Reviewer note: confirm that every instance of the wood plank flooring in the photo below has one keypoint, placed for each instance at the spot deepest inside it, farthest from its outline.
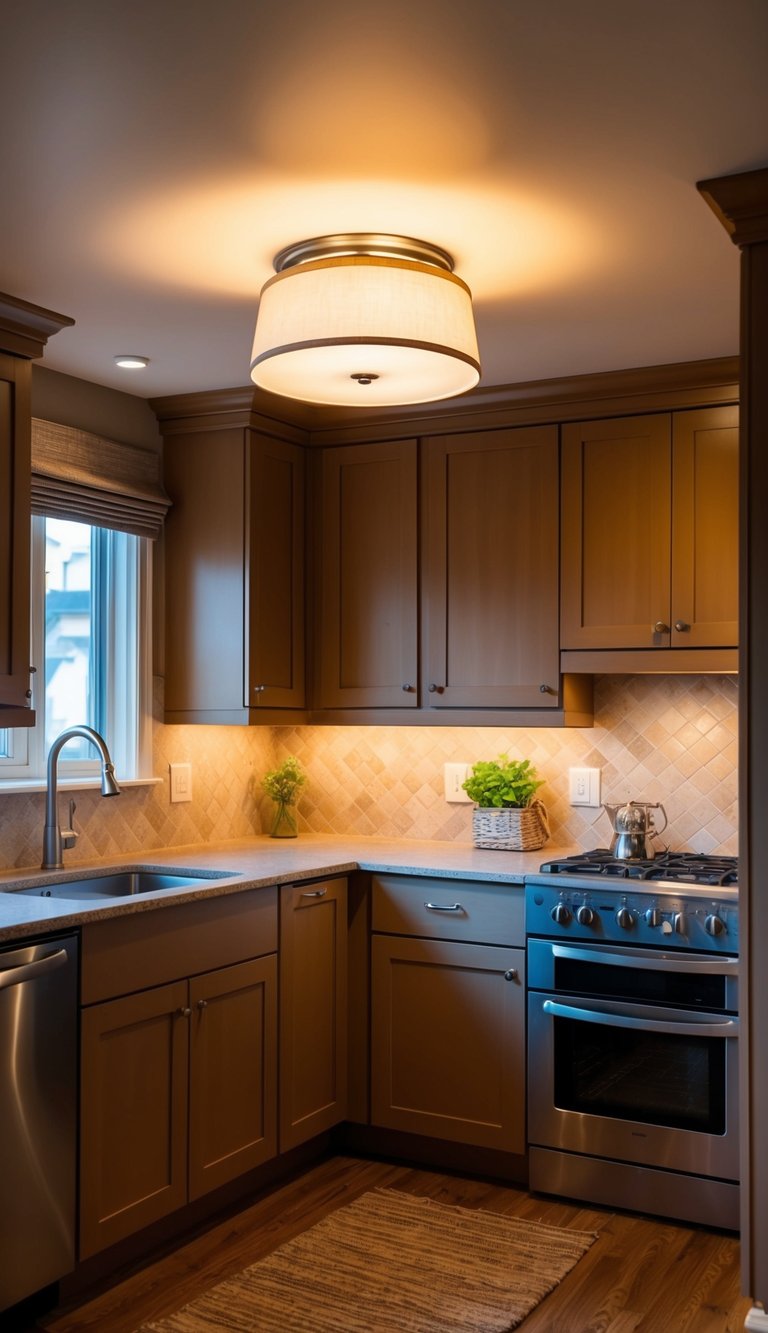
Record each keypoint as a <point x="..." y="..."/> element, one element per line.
<point x="640" y="1276"/>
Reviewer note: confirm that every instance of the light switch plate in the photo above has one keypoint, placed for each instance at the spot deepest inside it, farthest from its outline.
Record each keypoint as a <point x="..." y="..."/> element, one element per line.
<point x="181" y="782"/>
<point x="584" y="786"/>
<point x="453" y="776"/>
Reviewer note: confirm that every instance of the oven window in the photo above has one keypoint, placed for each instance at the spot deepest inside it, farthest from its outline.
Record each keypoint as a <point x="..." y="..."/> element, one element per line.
<point x="688" y="990"/>
<point x="660" y="1079"/>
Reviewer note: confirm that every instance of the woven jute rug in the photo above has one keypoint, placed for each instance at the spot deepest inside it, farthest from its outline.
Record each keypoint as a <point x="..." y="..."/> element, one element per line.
<point x="392" y="1261"/>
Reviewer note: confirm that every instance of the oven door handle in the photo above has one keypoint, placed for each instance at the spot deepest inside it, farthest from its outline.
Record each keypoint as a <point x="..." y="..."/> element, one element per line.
<point x="729" y="1027"/>
<point x="649" y="962"/>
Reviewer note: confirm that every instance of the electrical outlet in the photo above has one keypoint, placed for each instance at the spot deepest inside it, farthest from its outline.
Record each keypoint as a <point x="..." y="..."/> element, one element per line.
<point x="181" y="782"/>
<point x="453" y="776"/>
<point x="584" y="786"/>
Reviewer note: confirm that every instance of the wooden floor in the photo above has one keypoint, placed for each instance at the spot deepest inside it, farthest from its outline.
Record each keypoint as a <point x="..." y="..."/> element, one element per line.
<point x="640" y="1274"/>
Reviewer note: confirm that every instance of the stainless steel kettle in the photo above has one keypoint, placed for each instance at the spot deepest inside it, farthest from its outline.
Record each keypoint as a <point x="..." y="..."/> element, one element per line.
<point x="633" y="828"/>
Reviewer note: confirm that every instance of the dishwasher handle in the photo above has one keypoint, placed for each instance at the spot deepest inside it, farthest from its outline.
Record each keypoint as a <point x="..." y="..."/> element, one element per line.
<point x="13" y="976"/>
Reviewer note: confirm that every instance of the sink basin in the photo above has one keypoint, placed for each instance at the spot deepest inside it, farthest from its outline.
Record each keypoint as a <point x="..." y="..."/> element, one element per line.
<point x="124" y="884"/>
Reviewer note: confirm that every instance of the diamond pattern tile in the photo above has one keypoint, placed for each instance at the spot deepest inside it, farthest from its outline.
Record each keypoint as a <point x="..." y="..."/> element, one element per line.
<point x="659" y="738"/>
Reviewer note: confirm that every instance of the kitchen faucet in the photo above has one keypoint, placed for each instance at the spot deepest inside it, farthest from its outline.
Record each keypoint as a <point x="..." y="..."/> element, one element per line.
<point x="56" y="839"/>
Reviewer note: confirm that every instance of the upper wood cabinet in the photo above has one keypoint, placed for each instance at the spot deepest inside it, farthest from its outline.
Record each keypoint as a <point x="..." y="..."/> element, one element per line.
<point x="234" y="577"/>
<point x="486" y="579"/>
<point x="650" y="532"/>
<point x="24" y="331"/>
<point x="367" y="600"/>
<point x="490" y="584"/>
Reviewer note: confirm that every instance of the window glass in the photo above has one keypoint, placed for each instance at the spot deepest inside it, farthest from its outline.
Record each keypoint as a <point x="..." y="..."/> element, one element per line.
<point x="68" y="632"/>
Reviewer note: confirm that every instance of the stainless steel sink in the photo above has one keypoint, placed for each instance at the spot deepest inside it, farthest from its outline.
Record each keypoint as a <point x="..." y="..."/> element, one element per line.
<point x="123" y="884"/>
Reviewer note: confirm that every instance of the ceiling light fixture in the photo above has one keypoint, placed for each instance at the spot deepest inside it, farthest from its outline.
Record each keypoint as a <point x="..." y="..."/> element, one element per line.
<point x="365" y="320"/>
<point x="127" y="361"/>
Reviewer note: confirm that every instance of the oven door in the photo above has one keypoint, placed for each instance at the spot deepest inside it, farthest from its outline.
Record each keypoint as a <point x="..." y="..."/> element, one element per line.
<point x="639" y="1083"/>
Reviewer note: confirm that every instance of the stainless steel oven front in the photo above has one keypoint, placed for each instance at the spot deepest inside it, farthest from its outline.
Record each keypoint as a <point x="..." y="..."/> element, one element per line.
<point x="633" y="1077"/>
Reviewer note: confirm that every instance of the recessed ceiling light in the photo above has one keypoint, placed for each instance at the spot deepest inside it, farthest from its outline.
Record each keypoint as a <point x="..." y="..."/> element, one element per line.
<point x="127" y="361"/>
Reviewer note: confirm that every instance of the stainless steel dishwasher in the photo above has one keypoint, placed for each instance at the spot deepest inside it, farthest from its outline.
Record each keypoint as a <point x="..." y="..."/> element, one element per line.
<point x="38" y="1100"/>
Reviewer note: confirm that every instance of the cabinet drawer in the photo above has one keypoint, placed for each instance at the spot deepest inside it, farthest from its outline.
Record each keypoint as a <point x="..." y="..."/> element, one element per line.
<point x="130" y="953"/>
<point x="449" y="909"/>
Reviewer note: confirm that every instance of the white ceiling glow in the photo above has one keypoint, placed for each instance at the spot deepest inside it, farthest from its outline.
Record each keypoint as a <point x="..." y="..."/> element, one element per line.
<point x="365" y="320"/>
<point x="129" y="361"/>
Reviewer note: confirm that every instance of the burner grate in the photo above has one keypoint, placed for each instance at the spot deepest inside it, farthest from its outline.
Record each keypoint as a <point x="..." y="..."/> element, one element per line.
<point x="677" y="867"/>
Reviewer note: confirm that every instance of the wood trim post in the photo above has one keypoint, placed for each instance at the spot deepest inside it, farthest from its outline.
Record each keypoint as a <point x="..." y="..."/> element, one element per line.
<point x="741" y="204"/>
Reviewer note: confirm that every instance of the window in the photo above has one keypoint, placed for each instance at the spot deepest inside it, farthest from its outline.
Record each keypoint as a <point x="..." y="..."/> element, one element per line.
<point x="90" y="590"/>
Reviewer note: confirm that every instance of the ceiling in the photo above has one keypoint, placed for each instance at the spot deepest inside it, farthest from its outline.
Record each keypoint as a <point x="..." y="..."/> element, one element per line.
<point x="155" y="157"/>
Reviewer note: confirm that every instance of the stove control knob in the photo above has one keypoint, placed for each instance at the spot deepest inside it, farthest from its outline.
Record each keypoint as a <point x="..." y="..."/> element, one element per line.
<point x="653" y="917"/>
<point x="714" y="924"/>
<point x="561" y="914"/>
<point x="680" y="923"/>
<point x="625" y="918"/>
<point x="585" y="915"/>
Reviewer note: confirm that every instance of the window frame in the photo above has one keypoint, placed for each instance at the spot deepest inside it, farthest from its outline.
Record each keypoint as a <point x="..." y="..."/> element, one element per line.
<point x="129" y="671"/>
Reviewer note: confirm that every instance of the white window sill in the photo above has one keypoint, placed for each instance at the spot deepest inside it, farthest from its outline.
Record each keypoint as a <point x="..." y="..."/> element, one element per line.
<point x="81" y="783"/>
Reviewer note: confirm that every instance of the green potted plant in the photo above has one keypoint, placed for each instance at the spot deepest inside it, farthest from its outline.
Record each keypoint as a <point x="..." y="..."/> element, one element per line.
<point x="507" y="814"/>
<point x="283" y="784"/>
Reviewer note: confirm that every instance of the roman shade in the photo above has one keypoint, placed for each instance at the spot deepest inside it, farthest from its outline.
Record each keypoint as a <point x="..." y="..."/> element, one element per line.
<point x="81" y="476"/>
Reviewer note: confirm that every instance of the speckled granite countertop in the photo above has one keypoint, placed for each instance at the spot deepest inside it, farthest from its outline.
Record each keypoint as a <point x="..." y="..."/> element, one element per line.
<point x="251" y="863"/>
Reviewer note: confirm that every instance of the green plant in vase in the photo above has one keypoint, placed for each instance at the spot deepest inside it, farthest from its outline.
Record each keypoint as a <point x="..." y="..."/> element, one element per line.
<point x="502" y="783"/>
<point x="283" y="784"/>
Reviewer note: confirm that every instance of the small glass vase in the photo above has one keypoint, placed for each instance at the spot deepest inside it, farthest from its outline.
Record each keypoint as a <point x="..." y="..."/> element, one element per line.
<point x="284" y="821"/>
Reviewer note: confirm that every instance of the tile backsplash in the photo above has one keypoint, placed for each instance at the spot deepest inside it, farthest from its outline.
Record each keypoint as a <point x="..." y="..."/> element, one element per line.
<point x="658" y="738"/>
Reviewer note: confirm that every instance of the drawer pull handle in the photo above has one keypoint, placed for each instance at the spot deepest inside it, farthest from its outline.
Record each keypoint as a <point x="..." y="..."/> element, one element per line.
<point x="511" y="975"/>
<point x="314" y="893"/>
<point x="444" y="907"/>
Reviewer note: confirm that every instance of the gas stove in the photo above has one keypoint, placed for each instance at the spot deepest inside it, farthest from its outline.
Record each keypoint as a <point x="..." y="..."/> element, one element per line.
<point x="671" y="867"/>
<point x="678" y="900"/>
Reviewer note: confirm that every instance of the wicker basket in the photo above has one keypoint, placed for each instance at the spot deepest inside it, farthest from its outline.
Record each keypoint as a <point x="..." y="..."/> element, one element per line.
<point x="511" y="830"/>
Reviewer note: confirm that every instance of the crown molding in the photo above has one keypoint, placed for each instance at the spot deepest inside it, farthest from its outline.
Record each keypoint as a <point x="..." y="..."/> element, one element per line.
<point x="25" y="328"/>
<point x="569" y="398"/>
<point x="740" y="202"/>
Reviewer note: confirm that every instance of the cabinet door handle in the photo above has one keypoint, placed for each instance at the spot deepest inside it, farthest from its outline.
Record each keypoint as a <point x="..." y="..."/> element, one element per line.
<point x="660" y="627"/>
<point x="408" y="689"/>
<point x="444" y="907"/>
<point x="314" y="893"/>
<point x="185" y="1012"/>
<point x="435" y="689"/>
<point x="259" y="689"/>
<point x="202" y="1004"/>
<point x="511" y="975"/>
<point x="681" y="626"/>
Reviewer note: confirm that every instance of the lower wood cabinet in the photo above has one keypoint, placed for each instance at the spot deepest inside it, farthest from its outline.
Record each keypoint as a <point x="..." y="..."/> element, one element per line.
<point x="313" y="1009"/>
<point x="448" y="1040"/>
<point x="179" y="1095"/>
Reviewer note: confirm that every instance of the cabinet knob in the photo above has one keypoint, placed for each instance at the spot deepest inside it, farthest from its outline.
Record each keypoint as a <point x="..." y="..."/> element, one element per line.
<point x="681" y="626"/>
<point x="407" y="689"/>
<point x="660" y="627"/>
<point x="546" y="689"/>
<point x="259" y="689"/>
<point x="511" y="975"/>
<point x="185" y="1012"/>
<point x="202" y="1004"/>
<point x="435" y="689"/>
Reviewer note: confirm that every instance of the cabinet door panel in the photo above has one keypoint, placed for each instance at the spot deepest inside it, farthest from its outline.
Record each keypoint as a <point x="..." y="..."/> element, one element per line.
<point x="313" y="1019"/>
<point x="134" y="1120"/>
<point x="233" y="1072"/>
<point x="491" y="569"/>
<point x="705" y="527"/>
<point x="368" y="632"/>
<point x="448" y="1041"/>
<point x="275" y="575"/>
<point x="14" y="542"/>
<point x="616" y="526"/>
